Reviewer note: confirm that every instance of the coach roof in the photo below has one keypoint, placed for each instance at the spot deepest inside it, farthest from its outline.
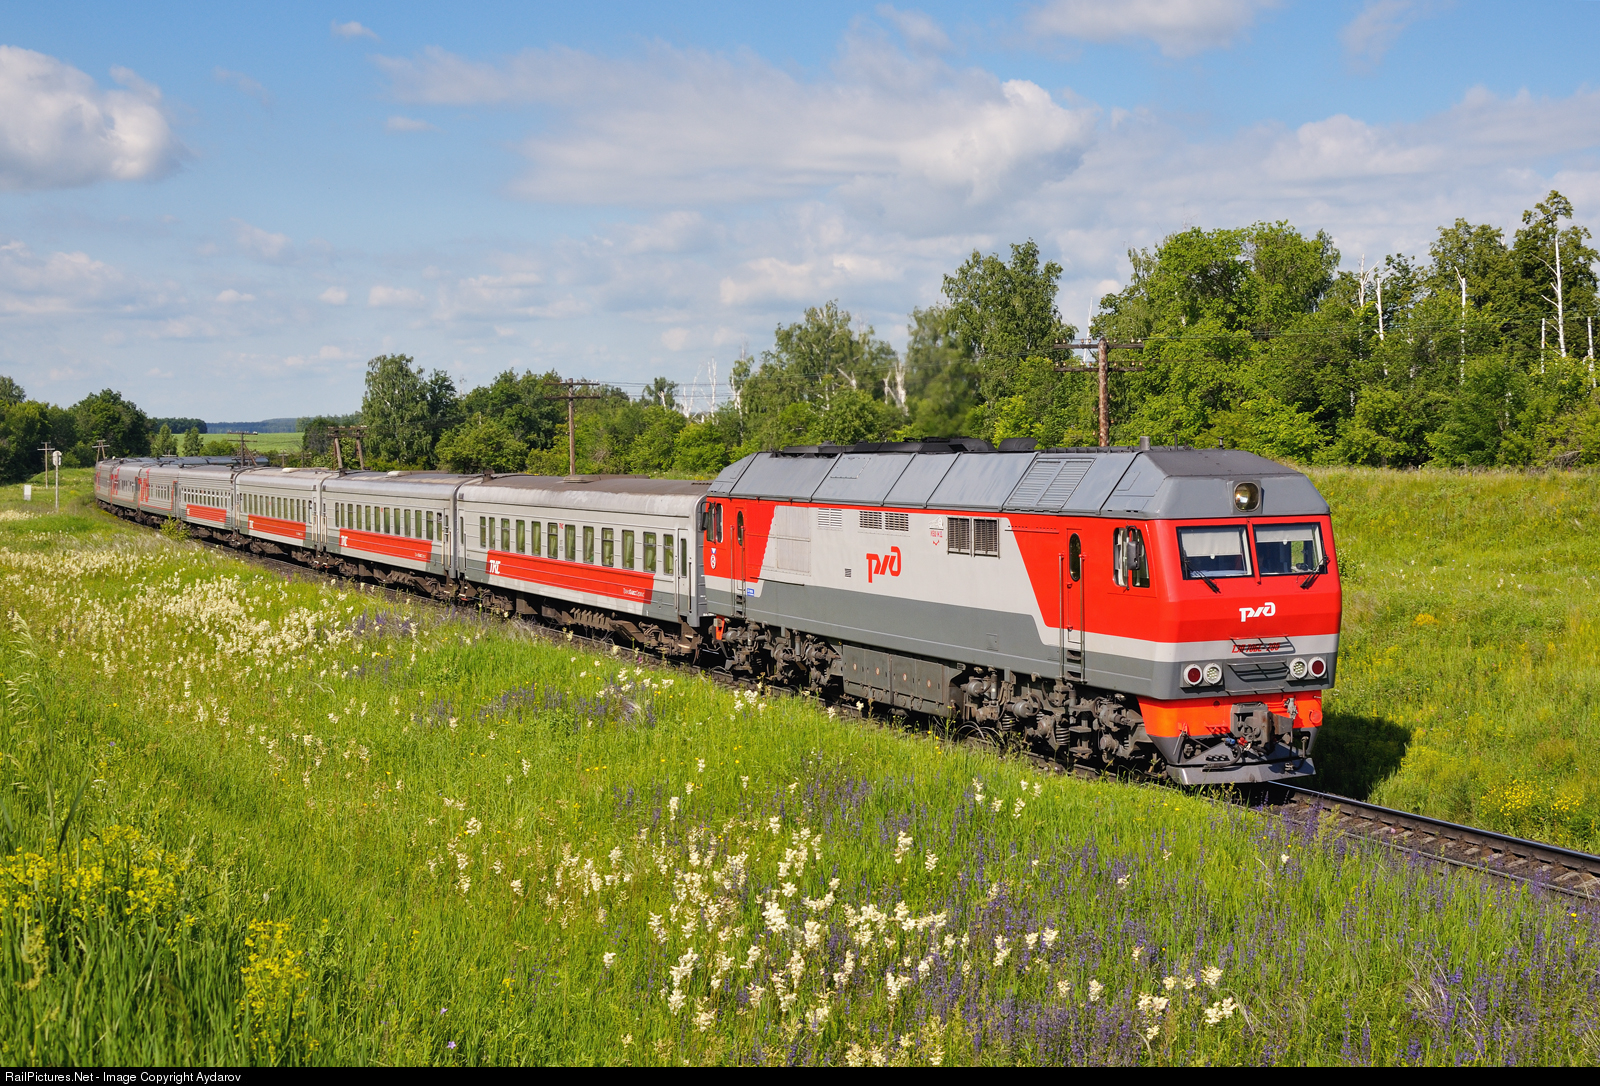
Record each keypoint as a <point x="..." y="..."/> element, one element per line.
<point x="1163" y="483"/>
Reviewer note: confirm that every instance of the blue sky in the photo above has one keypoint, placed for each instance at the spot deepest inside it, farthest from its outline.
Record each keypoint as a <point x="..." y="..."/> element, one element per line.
<point x="224" y="211"/>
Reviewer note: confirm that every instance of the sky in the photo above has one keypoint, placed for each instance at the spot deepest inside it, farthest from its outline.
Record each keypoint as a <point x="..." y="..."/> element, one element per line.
<point x="223" y="211"/>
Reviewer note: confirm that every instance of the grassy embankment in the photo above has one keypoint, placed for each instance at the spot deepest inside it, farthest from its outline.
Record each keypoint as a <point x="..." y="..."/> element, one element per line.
<point x="252" y="820"/>
<point x="1469" y="670"/>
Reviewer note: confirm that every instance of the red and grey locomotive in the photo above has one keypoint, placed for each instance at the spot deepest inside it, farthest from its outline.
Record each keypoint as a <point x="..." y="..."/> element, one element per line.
<point x="1176" y="608"/>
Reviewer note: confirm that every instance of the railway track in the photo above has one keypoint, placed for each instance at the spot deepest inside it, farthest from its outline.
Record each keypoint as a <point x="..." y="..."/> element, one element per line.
<point x="1495" y="855"/>
<point x="1513" y="858"/>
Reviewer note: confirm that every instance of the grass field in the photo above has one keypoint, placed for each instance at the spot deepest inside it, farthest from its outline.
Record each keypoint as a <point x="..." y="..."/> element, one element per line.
<point x="1469" y="669"/>
<point x="267" y="443"/>
<point x="250" y="820"/>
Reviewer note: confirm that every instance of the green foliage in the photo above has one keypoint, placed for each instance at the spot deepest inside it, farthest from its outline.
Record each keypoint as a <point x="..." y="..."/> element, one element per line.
<point x="1005" y="313"/>
<point x="405" y="412"/>
<point x="481" y="445"/>
<point x="164" y="444"/>
<point x="193" y="442"/>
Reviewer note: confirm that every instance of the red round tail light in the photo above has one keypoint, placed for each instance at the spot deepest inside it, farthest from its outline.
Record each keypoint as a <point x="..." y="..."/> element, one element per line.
<point x="1192" y="675"/>
<point x="1319" y="668"/>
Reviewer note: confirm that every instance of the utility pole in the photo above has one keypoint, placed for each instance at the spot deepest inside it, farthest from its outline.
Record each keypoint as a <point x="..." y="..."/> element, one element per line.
<point x="102" y="450"/>
<point x="354" y="433"/>
<point x="1102" y="348"/>
<point x="48" y="450"/>
<point x="572" y="396"/>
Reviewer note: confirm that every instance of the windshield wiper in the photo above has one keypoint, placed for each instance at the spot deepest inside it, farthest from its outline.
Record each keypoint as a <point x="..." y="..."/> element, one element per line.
<point x="1322" y="567"/>
<point x="1192" y="574"/>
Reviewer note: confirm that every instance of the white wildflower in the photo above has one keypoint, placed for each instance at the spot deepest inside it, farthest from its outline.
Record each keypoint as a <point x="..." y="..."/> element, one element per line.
<point x="1095" y="988"/>
<point x="929" y="862"/>
<point x="609" y="958"/>
<point x="1001" y="951"/>
<point x="1211" y="974"/>
<point x="1050" y="935"/>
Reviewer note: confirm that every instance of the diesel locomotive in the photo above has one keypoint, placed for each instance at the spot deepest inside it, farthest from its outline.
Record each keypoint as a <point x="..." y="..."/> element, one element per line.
<point x="1171" y="608"/>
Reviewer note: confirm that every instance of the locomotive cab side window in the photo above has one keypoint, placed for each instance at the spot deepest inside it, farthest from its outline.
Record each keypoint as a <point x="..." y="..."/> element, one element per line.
<point x="1213" y="552"/>
<point x="1289" y="549"/>
<point x="1130" y="561"/>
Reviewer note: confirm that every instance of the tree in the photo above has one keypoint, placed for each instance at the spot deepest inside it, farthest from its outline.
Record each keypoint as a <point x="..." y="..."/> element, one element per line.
<point x="522" y="404"/>
<point x="107" y="416"/>
<point x="1004" y="313"/>
<point x="941" y="379"/>
<point x="404" y="413"/>
<point x="193" y="442"/>
<point x="1557" y="265"/>
<point x="481" y="445"/>
<point x="11" y="393"/>
<point x="164" y="444"/>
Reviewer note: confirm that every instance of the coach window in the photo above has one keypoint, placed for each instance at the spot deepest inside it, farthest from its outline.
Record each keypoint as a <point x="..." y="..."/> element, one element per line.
<point x="627" y="549"/>
<point x="552" y="540"/>
<point x="572" y="542"/>
<point x="683" y="556"/>
<point x="588" y="544"/>
<point x="1075" y="557"/>
<point x="430" y="524"/>
<point x="522" y="536"/>
<point x="534" y="537"/>
<point x="649" y="551"/>
<point x="505" y="533"/>
<point x="483" y="532"/>
<point x="1130" y="562"/>
<point x="407" y="521"/>
<point x="608" y="547"/>
<point x="666" y="555"/>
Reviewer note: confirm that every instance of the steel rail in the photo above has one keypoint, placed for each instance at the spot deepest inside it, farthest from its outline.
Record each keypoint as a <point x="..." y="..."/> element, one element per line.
<point x="1496" y="855"/>
<point x="1501" y="855"/>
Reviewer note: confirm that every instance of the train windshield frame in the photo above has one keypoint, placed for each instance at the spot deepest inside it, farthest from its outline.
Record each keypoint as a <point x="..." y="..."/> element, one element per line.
<point x="1290" y="550"/>
<point x="1213" y="551"/>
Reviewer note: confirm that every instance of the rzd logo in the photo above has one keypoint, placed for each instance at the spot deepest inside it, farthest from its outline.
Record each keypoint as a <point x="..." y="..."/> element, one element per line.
<point x="494" y="567"/>
<point x="1266" y="610"/>
<point x="880" y="564"/>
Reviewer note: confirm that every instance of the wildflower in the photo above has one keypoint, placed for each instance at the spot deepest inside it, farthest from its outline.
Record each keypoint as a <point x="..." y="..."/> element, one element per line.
<point x="744" y="782"/>
<point x="609" y="958"/>
<point x="818" y="1017"/>
<point x="1152" y="1005"/>
<point x="895" y="984"/>
<point x="473" y="827"/>
<point x="452" y="1044"/>
<point x="1188" y="984"/>
<point x="1220" y="1010"/>
<point x="1095" y="988"/>
<point x="704" y="1019"/>
<point x="1122" y="880"/>
<point x="789" y="889"/>
<point x="930" y="862"/>
<point x="996" y="805"/>
<point x="902" y="846"/>
<point x="1169" y="983"/>
<point x="516" y="887"/>
<point x="1151" y="1033"/>
<point x="627" y="1039"/>
<point x="777" y="920"/>
<point x="1138" y="952"/>
<point x="756" y="992"/>
<point x="443" y="1011"/>
<point x="672" y="809"/>
<point x="1050" y="935"/>
<point x="1211" y="974"/>
<point x="1032" y="939"/>
<point x="1283" y="859"/>
<point x="526" y="765"/>
<point x="700" y="765"/>
<point x="1063" y="987"/>
<point x="772" y="824"/>
<point x="676" y="1000"/>
<point x="1001" y="951"/>
<point x="688" y="788"/>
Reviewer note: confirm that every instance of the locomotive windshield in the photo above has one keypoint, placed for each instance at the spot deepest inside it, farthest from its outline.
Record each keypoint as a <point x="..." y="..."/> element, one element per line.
<point x="1289" y="548"/>
<point x="1214" y="552"/>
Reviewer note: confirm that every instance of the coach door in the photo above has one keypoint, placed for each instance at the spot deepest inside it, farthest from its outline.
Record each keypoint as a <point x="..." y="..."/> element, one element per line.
<point x="677" y="558"/>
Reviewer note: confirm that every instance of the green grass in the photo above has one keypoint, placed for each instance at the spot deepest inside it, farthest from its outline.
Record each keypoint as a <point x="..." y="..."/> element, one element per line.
<point x="317" y="826"/>
<point x="1469" y="667"/>
<point x="267" y="443"/>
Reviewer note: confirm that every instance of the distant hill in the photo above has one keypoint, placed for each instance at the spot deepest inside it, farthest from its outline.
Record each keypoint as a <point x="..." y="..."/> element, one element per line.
<point x="265" y="426"/>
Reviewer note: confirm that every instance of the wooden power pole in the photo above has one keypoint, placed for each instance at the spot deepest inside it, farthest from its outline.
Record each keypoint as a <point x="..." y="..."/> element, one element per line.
<point x="1102" y="348"/>
<point x="572" y="395"/>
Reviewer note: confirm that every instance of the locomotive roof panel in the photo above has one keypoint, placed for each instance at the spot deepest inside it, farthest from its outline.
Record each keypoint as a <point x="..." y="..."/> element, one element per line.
<point x="862" y="478"/>
<point x="1160" y="482"/>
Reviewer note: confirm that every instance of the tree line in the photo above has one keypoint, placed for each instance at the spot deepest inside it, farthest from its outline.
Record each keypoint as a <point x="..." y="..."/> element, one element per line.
<point x="1479" y="354"/>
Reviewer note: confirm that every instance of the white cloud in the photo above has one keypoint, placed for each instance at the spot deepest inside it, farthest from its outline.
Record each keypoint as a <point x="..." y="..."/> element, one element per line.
<point x="407" y="124"/>
<point x="334" y="296"/>
<point x="675" y="339"/>
<point x="395" y="297"/>
<point x="59" y="283"/>
<point x="1179" y="28"/>
<point x="1379" y="25"/>
<point x="58" y="128"/>
<point x="230" y="296"/>
<point x="245" y="84"/>
<point x="688" y="127"/>
<point x="919" y="31"/>
<point x="261" y="243"/>
<point x="352" y="29"/>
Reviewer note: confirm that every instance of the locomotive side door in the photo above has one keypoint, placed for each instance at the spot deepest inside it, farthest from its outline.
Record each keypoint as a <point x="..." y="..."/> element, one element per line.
<point x="738" y="564"/>
<point x="1071" y="608"/>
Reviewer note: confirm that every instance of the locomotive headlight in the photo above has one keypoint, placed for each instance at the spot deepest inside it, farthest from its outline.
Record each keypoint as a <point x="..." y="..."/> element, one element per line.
<point x="1246" y="498"/>
<point x="1213" y="674"/>
<point x="1297" y="669"/>
<point x="1192" y="675"/>
<point x="1319" y="668"/>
